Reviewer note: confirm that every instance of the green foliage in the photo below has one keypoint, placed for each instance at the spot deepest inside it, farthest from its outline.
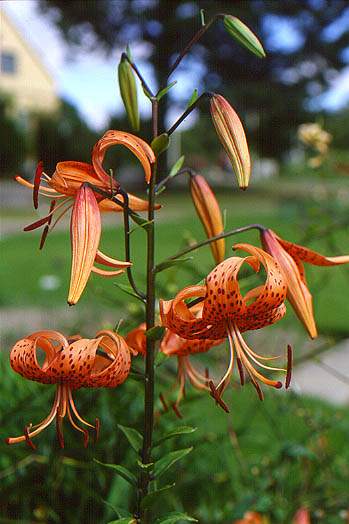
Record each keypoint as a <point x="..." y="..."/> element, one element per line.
<point x="165" y="90"/>
<point x="173" y="518"/>
<point x="160" y="143"/>
<point x="168" y="460"/>
<point x="181" y="430"/>
<point x="121" y="471"/>
<point x="133" y="436"/>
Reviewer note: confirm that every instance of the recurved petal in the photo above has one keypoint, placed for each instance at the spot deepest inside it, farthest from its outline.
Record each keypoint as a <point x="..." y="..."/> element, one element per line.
<point x="136" y="340"/>
<point x="297" y="291"/>
<point x="136" y="145"/>
<point x="275" y="286"/>
<point x="209" y="213"/>
<point x="111" y="368"/>
<point x="309" y="256"/>
<point x="70" y="175"/>
<point x="232" y="136"/>
<point x="177" y="316"/>
<point x="101" y="258"/>
<point x="85" y="231"/>
<point x="173" y="345"/>
<point x="135" y="203"/>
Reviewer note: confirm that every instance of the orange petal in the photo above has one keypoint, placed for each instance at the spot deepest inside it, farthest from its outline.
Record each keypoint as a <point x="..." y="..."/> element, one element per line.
<point x="70" y="175"/>
<point x="136" y="145"/>
<point x="85" y="231"/>
<point x="105" y="272"/>
<point x="297" y="291"/>
<point x="232" y="136"/>
<point x="309" y="256"/>
<point x="209" y="213"/>
<point x="136" y="339"/>
<point x="101" y="258"/>
<point x="135" y="203"/>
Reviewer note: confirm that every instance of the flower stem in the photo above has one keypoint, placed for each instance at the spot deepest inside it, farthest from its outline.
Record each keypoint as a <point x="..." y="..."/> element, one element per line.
<point x="187" y="112"/>
<point x="144" y="477"/>
<point x="208" y="241"/>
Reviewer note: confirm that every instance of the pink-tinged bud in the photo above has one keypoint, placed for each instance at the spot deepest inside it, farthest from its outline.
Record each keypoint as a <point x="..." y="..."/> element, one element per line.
<point x="85" y="231"/>
<point x="232" y="136"/>
<point x="302" y="517"/>
<point x="209" y="213"/>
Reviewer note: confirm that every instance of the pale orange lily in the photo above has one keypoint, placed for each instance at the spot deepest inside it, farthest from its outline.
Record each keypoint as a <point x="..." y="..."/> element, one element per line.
<point x="209" y="213"/>
<point x="67" y="185"/>
<point x="302" y="517"/>
<point x="291" y="257"/>
<point x="73" y="363"/>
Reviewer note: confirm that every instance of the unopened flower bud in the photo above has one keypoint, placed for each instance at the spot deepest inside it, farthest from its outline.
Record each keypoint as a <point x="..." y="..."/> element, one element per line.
<point x="240" y="32"/>
<point x="232" y="136"/>
<point x="128" y="91"/>
<point x="209" y="213"/>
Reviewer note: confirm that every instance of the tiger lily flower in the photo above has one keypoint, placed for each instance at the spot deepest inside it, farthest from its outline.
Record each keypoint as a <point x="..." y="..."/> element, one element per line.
<point x="70" y="184"/>
<point x="251" y="517"/>
<point x="290" y="257"/>
<point x="226" y="313"/>
<point x="103" y="361"/>
<point x="209" y="213"/>
<point x="174" y="346"/>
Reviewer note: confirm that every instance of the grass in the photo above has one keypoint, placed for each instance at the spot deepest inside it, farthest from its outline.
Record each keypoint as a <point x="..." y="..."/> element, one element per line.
<point x="26" y="270"/>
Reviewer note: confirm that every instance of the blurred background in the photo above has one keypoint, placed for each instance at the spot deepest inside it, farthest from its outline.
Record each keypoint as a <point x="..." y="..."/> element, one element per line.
<point x="58" y="94"/>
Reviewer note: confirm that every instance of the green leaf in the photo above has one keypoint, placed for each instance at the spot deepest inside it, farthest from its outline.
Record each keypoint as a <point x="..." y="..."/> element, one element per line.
<point x="145" y="467"/>
<point x="133" y="436"/>
<point x="181" y="430"/>
<point x="127" y="520"/>
<point x="160" y="143"/>
<point x="165" y="90"/>
<point x="140" y="221"/>
<point x="173" y="518"/>
<point x="171" y="263"/>
<point x="120" y="512"/>
<point x="163" y="464"/>
<point x="135" y="375"/>
<point x="151" y="497"/>
<point x="160" y="358"/>
<point x="193" y="98"/>
<point x="243" y="34"/>
<point x="121" y="471"/>
<point x="176" y="167"/>
<point x="155" y="333"/>
<point x="128" y="290"/>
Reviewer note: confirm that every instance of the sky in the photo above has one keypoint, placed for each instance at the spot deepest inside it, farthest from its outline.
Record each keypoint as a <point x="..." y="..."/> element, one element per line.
<point x="89" y="81"/>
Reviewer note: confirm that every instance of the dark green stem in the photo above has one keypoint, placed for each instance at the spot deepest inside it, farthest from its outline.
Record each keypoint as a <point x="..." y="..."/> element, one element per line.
<point x="145" y="478"/>
<point x="187" y="112"/>
<point x="208" y="241"/>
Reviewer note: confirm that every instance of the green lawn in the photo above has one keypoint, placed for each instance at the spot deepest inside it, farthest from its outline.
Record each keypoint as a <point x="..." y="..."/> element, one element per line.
<point x="25" y="268"/>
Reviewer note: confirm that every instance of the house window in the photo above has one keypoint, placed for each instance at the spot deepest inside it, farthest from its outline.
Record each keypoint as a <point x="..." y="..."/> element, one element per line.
<point x="8" y="63"/>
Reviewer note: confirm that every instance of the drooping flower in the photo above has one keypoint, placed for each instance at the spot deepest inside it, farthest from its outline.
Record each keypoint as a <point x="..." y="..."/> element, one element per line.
<point x="173" y="345"/>
<point x="232" y="136"/>
<point x="73" y="363"/>
<point x="291" y="256"/>
<point x="71" y="183"/>
<point x="226" y="313"/>
<point x="251" y="517"/>
<point x="209" y="213"/>
<point x="302" y="517"/>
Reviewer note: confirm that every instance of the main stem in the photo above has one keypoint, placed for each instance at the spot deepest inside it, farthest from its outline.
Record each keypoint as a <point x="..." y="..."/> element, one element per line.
<point x="150" y="321"/>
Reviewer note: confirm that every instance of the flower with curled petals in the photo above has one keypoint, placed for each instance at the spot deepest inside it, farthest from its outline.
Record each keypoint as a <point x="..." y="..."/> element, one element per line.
<point x="227" y="313"/>
<point x="174" y="346"/>
<point x="103" y="361"/>
<point x="72" y="184"/>
<point x="291" y="257"/>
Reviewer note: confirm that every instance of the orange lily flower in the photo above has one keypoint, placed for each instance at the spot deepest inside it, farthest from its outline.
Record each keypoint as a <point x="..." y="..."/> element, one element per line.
<point x="291" y="257"/>
<point x="173" y="345"/>
<point x="209" y="213"/>
<point x="103" y="361"/>
<point x="226" y="312"/>
<point x="302" y="517"/>
<point x="67" y="184"/>
<point x="251" y="517"/>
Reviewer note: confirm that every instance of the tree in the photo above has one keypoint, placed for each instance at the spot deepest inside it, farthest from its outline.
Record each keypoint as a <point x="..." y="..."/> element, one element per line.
<point x="275" y="88"/>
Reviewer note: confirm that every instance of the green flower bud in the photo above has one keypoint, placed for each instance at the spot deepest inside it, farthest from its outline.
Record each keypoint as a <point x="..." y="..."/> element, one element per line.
<point x="243" y="35"/>
<point x="128" y="91"/>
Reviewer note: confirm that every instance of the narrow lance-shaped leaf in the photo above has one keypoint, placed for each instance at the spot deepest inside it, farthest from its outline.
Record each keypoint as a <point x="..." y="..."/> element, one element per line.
<point x="171" y="263"/>
<point x="166" y="89"/>
<point x="160" y="143"/>
<point x="240" y="32"/>
<point x="153" y="496"/>
<point x="193" y="98"/>
<point x="181" y="430"/>
<point x="173" y="518"/>
<point x="133" y="436"/>
<point x="163" y="464"/>
<point x="127" y="520"/>
<point x="176" y="167"/>
<point x="121" y="471"/>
